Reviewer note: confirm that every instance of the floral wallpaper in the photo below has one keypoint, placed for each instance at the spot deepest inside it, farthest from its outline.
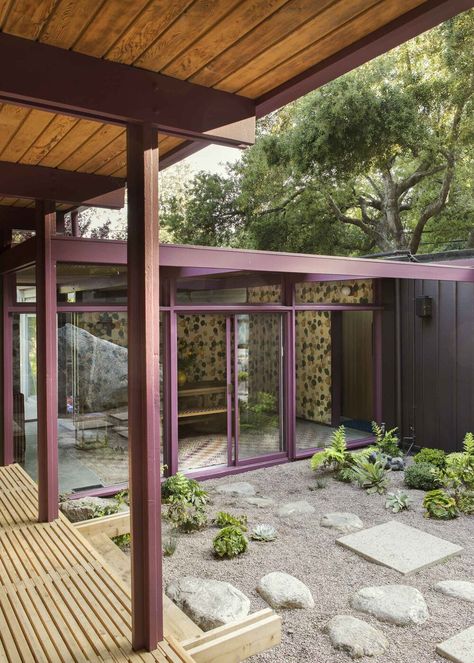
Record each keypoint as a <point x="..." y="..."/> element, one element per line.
<point x="330" y="292"/>
<point x="264" y="343"/>
<point x="204" y="337"/>
<point x="108" y="326"/>
<point x="264" y="294"/>
<point x="313" y="366"/>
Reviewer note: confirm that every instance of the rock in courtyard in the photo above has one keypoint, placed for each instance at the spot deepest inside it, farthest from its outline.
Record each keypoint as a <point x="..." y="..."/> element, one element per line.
<point x="342" y="522"/>
<point x="457" y="589"/>
<point x="280" y="590"/>
<point x="355" y="637"/>
<point x="397" y="604"/>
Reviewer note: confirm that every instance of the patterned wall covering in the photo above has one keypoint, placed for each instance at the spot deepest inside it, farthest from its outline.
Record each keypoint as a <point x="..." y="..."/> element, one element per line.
<point x="264" y="294"/>
<point x="204" y="336"/>
<point x="108" y="326"/>
<point x="264" y="343"/>
<point x="313" y="366"/>
<point x="330" y="292"/>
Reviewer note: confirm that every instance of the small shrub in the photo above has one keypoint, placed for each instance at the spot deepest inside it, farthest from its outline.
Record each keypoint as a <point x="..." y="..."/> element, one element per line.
<point x="106" y="510"/>
<point x="386" y="441"/>
<point x="223" y="519"/>
<point x="264" y="533"/>
<point x="421" y="476"/>
<point x="397" y="502"/>
<point x="230" y="542"/>
<point x="371" y="476"/>
<point x="440" y="505"/>
<point x="186" y="517"/>
<point x="465" y="502"/>
<point x="178" y="487"/>
<point x="436" y="457"/>
<point x="122" y="498"/>
<point x="169" y="545"/>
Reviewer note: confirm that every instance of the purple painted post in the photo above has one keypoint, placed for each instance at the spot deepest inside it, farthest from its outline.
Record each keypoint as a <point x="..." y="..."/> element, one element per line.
<point x="233" y="422"/>
<point x="46" y="354"/>
<point x="75" y="224"/>
<point x="8" y="455"/>
<point x="144" y="386"/>
<point x="378" y="357"/>
<point x="289" y="355"/>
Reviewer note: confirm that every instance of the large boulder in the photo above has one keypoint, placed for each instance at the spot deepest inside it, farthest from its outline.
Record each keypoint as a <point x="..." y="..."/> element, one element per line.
<point x="457" y="589"/>
<point x="397" y="604"/>
<point x="280" y="590"/>
<point x="342" y="522"/>
<point x="355" y="637"/>
<point x="209" y="603"/>
<point x="86" y="508"/>
<point x="102" y="368"/>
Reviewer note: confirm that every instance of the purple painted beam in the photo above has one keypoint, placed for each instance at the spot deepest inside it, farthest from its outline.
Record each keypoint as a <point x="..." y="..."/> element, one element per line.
<point x="46" y="353"/>
<point x="144" y="386"/>
<point x="111" y="92"/>
<point x="18" y="218"/>
<point x="424" y="17"/>
<point x="42" y="183"/>
<point x="7" y="456"/>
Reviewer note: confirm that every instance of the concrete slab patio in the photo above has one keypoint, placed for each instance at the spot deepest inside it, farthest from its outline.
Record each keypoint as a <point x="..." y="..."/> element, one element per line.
<point x="401" y="547"/>
<point x="459" y="648"/>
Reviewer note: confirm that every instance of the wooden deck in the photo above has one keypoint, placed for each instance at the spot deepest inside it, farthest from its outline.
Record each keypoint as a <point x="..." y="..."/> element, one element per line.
<point x="59" y="600"/>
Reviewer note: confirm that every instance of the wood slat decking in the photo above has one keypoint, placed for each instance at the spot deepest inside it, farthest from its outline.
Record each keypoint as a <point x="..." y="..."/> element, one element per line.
<point x="59" y="601"/>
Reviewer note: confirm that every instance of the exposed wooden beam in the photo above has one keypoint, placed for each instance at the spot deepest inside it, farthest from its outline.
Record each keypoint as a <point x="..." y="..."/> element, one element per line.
<point x="18" y="218"/>
<point x="409" y="25"/>
<point x="68" y="82"/>
<point x="42" y="183"/>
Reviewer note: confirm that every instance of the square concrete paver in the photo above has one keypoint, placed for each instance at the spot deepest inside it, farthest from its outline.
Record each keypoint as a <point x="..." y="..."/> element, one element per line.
<point x="400" y="547"/>
<point x="459" y="648"/>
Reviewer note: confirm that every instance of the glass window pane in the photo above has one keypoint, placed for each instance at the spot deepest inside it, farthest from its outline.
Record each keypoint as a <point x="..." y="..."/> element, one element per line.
<point x="91" y="284"/>
<point x="24" y="391"/>
<point x="244" y="288"/>
<point x="26" y="285"/>
<point x="335" y="292"/>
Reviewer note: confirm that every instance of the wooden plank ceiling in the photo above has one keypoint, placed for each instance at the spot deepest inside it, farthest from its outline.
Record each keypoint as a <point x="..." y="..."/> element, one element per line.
<point x="247" y="47"/>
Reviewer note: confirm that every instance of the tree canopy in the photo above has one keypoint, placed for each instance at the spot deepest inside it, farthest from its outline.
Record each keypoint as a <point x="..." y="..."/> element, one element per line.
<point x="378" y="160"/>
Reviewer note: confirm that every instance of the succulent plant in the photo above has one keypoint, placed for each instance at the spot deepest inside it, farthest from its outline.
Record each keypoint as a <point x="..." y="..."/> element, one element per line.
<point x="230" y="542"/>
<point x="223" y="519"/>
<point x="397" y="502"/>
<point x="264" y="533"/>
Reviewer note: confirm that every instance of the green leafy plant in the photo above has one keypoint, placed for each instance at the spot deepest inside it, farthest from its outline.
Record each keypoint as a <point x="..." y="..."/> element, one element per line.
<point x="178" y="487"/>
<point x="223" y="519"/>
<point x="436" y="457"/>
<point x="440" y="505"/>
<point x="465" y="502"/>
<point x="334" y="457"/>
<point x="260" y="413"/>
<point x="186" y="516"/>
<point x="169" y="545"/>
<point x="397" y="502"/>
<point x="230" y="542"/>
<point x="422" y="476"/>
<point x="386" y="441"/>
<point x="371" y="476"/>
<point x="123" y="497"/>
<point x="122" y="541"/>
<point x="106" y="510"/>
<point x="264" y="533"/>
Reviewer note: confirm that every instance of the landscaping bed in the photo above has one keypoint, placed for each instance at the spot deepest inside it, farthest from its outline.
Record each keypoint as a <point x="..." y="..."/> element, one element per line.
<point x="332" y="573"/>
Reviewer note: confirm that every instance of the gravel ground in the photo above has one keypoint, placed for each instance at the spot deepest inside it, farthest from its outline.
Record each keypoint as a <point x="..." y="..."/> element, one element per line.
<point x="333" y="574"/>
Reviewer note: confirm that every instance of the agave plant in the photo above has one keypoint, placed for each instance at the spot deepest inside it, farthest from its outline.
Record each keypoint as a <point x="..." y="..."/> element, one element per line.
<point x="397" y="502"/>
<point x="371" y="476"/>
<point x="264" y="533"/>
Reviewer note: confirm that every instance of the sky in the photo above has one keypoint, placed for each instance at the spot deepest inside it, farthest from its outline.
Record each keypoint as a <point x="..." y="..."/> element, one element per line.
<point x="212" y="158"/>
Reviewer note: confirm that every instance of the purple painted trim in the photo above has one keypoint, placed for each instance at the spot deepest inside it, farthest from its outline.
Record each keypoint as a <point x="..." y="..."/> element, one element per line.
<point x="398" y="31"/>
<point x="8" y="454"/>
<point x="337" y="307"/>
<point x="172" y="365"/>
<point x="289" y="356"/>
<point x="105" y="491"/>
<point x="223" y="471"/>
<point x="19" y="256"/>
<point x="180" y="152"/>
<point x="254" y="460"/>
<point x="230" y="308"/>
<point x="377" y="356"/>
<point x="85" y="250"/>
<point x="232" y="440"/>
<point x="88" y="308"/>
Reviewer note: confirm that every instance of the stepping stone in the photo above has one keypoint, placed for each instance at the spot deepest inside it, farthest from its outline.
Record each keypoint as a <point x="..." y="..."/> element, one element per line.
<point x="457" y="589"/>
<point x="238" y="489"/>
<point x="121" y="430"/>
<point x="280" y="590"/>
<point x="342" y="522"/>
<point x="209" y="603"/>
<point x="120" y="416"/>
<point x="396" y="604"/>
<point x="401" y="547"/>
<point x="355" y="637"/>
<point x="260" y="502"/>
<point x="459" y="648"/>
<point x="295" y="509"/>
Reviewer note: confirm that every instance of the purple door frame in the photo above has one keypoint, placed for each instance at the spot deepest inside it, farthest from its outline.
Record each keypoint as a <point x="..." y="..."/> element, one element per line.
<point x="8" y="454"/>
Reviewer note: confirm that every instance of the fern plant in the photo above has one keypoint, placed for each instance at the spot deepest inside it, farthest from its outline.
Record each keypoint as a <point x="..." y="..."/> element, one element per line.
<point x="458" y="475"/>
<point x="386" y="441"/>
<point x="371" y="476"/>
<point x="223" y="519"/>
<point x="397" y="502"/>
<point x="230" y="542"/>
<point x="334" y="457"/>
<point x="440" y="505"/>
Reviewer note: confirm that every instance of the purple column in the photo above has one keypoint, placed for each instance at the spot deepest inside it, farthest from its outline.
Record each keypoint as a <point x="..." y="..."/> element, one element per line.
<point x="7" y="456"/>
<point x="46" y="353"/>
<point x="143" y="386"/>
